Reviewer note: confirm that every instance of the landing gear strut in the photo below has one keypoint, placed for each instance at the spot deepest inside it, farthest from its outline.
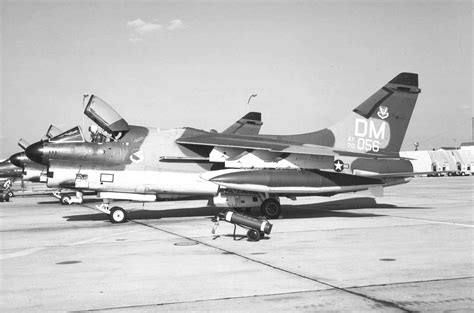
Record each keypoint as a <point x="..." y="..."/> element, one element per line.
<point x="116" y="214"/>
<point x="271" y="208"/>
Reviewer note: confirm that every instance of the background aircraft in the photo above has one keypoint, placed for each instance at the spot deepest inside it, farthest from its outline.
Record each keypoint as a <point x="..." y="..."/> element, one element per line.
<point x="19" y="167"/>
<point x="236" y="168"/>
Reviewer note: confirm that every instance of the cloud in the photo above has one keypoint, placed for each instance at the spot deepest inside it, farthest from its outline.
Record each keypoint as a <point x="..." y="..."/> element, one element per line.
<point x="140" y="29"/>
<point x="176" y="24"/>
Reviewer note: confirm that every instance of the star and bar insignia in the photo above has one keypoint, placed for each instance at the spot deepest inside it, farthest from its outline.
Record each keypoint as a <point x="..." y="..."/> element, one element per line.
<point x="338" y="165"/>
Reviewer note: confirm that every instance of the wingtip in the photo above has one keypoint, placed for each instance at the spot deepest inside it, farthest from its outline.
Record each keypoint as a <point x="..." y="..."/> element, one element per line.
<point x="405" y="78"/>
<point x="256" y="116"/>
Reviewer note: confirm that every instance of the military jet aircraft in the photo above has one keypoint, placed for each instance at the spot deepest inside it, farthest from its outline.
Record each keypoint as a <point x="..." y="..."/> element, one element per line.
<point x="237" y="169"/>
<point x="13" y="169"/>
<point x="72" y="146"/>
<point x="27" y="169"/>
<point x="19" y="167"/>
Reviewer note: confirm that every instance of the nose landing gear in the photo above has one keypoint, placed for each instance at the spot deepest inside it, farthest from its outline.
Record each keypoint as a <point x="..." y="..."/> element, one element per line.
<point x="116" y="214"/>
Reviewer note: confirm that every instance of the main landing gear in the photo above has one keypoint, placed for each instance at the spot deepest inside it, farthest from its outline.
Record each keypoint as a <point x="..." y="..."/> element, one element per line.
<point x="270" y="208"/>
<point x="66" y="199"/>
<point x="116" y="214"/>
<point x="243" y="202"/>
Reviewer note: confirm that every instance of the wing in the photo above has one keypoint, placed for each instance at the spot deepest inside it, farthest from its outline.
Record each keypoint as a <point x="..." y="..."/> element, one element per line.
<point x="273" y="145"/>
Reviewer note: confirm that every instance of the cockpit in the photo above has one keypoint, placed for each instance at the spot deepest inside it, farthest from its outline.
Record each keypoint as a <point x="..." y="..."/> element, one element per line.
<point x="110" y="125"/>
<point x="72" y="135"/>
<point x="75" y="134"/>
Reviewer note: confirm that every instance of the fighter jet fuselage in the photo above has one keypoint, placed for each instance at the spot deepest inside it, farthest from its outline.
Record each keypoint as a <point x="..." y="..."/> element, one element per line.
<point x="237" y="169"/>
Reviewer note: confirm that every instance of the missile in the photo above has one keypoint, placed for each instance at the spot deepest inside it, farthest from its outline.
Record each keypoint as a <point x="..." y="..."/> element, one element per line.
<point x="248" y="221"/>
<point x="257" y="228"/>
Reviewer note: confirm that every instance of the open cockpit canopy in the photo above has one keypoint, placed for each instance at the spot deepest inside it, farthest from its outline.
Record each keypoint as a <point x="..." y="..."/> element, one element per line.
<point x="105" y="116"/>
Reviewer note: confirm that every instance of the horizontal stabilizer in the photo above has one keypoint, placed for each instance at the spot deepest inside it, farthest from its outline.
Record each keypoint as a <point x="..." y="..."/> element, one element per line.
<point x="249" y="124"/>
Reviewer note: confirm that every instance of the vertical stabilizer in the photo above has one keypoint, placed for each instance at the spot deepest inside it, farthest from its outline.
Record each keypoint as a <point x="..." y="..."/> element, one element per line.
<point x="379" y="123"/>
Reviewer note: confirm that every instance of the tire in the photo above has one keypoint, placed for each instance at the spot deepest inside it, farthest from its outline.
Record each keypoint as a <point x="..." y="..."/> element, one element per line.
<point x="7" y="198"/>
<point x="253" y="235"/>
<point x="117" y="215"/>
<point x="10" y="194"/>
<point x="271" y="208"/>
<point x="65" y="200"/>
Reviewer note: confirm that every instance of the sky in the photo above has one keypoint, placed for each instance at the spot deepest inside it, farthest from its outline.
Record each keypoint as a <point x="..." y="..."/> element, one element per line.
<point x="170" y="64"/>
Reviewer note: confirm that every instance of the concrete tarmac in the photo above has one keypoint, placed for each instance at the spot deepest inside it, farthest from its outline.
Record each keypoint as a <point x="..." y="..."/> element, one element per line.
<point x="411" y="250"/>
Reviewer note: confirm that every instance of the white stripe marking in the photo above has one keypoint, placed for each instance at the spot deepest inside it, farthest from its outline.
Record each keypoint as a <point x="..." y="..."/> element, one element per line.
<point x="101" y="237"/>
<point x="433" y="222"/>
<point x="20" y="253"/>
<point x="33" y="250"/>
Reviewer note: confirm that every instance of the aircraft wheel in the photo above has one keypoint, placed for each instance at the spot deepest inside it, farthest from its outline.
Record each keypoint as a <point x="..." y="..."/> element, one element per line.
<point x="10" y="194"/>
<point x="65" y="200"/>
<point x="7" y="198"/>
<point x="253" y="235"/>
<point x="270" y="208"/>
<point x="117" y="215"/>
<point x="463" y="174"/>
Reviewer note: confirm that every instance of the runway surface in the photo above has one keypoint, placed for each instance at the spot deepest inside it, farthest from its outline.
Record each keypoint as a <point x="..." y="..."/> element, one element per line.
<point x="411" y="250"/>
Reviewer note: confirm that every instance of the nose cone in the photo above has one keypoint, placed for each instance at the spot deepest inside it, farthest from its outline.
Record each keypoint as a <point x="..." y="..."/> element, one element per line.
<point x="35" y="152"/>
<point x="8" y="170"/>
<point x="18" y="159"/>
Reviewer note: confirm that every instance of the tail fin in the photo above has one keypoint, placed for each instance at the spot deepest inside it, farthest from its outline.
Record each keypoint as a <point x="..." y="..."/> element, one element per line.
<point x="249" y="124"/>
<point x="379" y="124"/>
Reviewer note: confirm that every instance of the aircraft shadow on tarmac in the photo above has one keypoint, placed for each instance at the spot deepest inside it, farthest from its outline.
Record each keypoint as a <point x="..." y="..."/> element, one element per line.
<point x="336" y="208"/>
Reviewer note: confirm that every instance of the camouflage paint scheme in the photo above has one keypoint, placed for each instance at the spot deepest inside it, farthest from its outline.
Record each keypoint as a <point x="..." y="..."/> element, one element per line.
<point x="359" y="152"/>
